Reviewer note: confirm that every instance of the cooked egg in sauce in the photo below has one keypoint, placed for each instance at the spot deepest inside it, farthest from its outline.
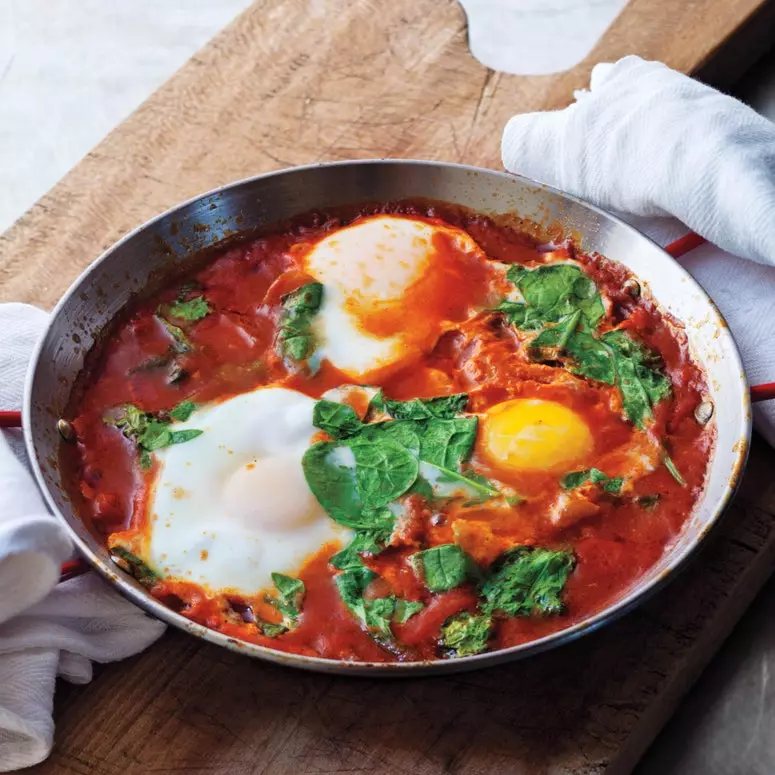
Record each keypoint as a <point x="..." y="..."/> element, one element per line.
<point x="529" y="434"/>
<point x="401" y="434"/>
<point x="375" y="271"/>
<point x="231" y="506"/>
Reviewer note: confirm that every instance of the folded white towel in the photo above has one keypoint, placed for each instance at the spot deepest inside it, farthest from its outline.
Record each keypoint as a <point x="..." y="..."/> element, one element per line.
<point x="647" y="142"/>
<point x="46" y="630"/>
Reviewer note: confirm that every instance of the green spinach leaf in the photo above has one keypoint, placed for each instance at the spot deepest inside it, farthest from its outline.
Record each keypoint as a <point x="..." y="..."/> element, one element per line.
<point x="271" y="630"/>
<point x="351" y="584"/>
<point x="155" y="436"/>
<point x="553" y="291"/>
<point x="147" y="431"/>
<point x="403" y="432"/>
<point x="382" y="461"/>
<point x="378" y="522"/>
<point x="564" y="305"/>
<point x="638" y="376"/>
<point x="447" y="443"/>
<point x="294" y="331"/>
<point x="129" y="419"/>
<point x="445" y="483"/>
<point x="674" y="472"/>
<point x="364" y="542"/>
<point x="180" y="342"/>
<point x="443" y="567"/>
<point x="134" y="565"/>
<point x="338" y="420"/>
<point x="384" y="471"/>
<point x="183" y="411"/>
<point x="193" y="309"/>
<point x="465" y="634"/>
<point x="179" y="437"/>
<point x="288" y="599"/>
<point x="375" y="614"/>
<point x="290" y="594"/>
<point x="591" y="358"/>
<point x="440" y="407"/>
<point x="422" y="487"/>
<point x="406" y="609"/>
<point x="145" y="459"/>
<point x="379" y="615"/>
<point x="521" y="316"/>
<point x="527" y="581"/>
<point x="329" y="468"/>
<point x="372" y="465"/>
<point x="555" y="338"/>
<point x="594" y="475"/>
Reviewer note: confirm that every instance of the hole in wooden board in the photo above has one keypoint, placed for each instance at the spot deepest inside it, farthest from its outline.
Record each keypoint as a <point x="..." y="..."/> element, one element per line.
<point x="536" y="37"/>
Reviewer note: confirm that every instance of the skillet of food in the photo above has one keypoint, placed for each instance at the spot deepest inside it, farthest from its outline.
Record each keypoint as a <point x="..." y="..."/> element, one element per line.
<point x="387" y="416"/>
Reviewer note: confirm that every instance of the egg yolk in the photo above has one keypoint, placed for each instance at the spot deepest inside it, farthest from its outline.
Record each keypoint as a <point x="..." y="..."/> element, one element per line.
<point x="528" y="434"/>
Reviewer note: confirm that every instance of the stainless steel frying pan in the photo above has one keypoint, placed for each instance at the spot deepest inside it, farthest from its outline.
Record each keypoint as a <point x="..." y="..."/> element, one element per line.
<point x="170" y="240"/>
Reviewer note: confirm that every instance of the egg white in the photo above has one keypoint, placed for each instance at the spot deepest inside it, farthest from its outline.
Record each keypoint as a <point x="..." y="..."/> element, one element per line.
<point x="231" y="506"/>
<point x="370" y="266"/>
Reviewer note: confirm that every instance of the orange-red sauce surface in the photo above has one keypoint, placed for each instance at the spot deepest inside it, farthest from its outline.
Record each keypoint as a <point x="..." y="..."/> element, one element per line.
<point x="234" y="351"/>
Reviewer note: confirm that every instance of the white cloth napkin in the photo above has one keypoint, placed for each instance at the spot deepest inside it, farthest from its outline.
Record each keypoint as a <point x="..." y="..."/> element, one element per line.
<point x="46" y="629"/>
<point x="662" y="150"/>
<point x="553" y="35"/>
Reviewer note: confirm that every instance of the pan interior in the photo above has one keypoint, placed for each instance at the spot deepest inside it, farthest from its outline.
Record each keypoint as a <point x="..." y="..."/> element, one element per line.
<point x="168" y="242"/>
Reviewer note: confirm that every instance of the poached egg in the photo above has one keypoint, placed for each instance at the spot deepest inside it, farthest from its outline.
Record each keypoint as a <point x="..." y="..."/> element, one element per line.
<point x="231" y="506"/>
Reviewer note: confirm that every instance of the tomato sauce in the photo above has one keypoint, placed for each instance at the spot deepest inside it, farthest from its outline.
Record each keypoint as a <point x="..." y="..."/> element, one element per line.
<point x="232" y="350"/>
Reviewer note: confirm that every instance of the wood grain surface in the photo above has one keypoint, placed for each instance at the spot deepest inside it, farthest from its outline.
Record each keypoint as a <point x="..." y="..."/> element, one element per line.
<point x="292" y="82"/>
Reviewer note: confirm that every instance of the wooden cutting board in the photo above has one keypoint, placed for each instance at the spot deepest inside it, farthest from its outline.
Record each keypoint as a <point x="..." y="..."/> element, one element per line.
<point x="292" y="82"/>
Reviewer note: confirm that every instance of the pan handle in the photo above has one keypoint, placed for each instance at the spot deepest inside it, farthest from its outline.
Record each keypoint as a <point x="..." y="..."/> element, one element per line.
<point x="10" y="419"/>
<point x="684" y="244"/>
<point x="687" y="243"/>
<point x="72" y="568"/>
<point x="764" y="392"/>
